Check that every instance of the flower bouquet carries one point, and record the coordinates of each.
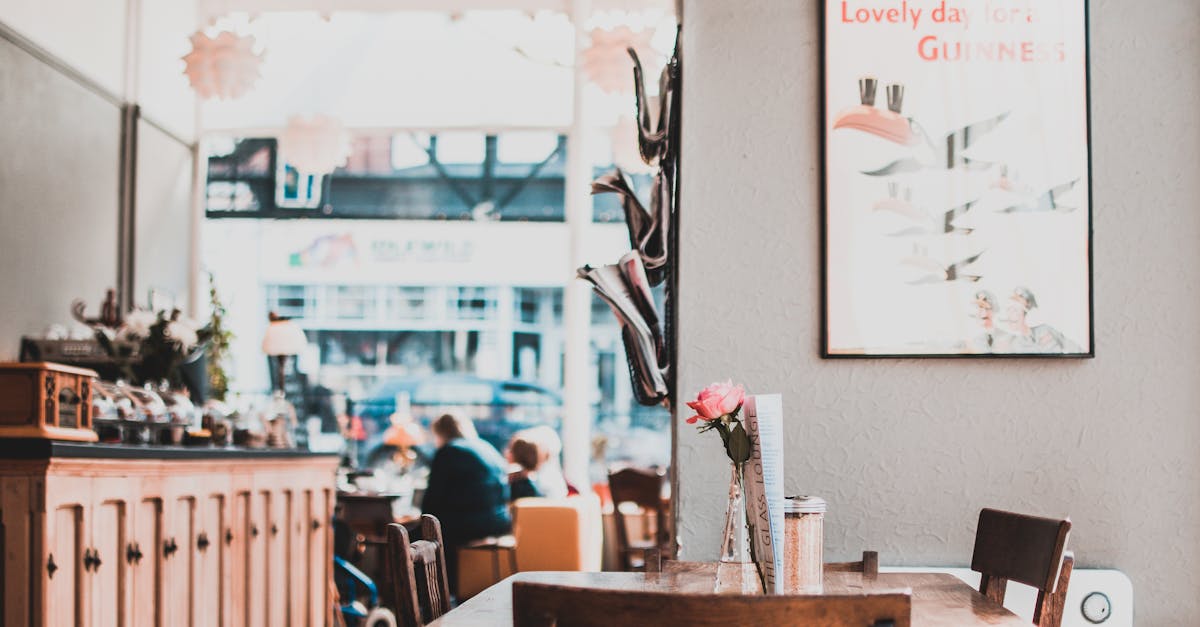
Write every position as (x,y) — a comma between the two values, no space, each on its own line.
(717,408)
(149,346)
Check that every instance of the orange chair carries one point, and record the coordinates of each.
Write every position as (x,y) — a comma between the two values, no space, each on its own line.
(548,534)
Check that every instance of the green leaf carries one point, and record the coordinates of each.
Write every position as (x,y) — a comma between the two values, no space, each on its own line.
(738,445)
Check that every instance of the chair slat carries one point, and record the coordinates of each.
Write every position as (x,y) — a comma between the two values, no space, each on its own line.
(417,571)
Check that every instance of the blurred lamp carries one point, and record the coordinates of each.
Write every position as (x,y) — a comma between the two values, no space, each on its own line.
(284,338)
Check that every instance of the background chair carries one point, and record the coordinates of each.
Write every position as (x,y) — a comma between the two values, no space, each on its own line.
(642,487)
(543,605)
(418,573)
(1028,550)
(548,534)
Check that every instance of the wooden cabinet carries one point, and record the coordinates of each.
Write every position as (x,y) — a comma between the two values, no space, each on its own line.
(96,541)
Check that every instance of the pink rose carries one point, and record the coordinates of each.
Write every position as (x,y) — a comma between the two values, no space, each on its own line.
(716,400)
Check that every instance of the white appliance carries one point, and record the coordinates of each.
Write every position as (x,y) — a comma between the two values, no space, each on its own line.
(1095,597)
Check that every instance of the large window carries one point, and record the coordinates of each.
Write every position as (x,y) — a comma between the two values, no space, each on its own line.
(513,176)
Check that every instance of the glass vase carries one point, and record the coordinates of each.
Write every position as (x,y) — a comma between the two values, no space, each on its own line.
(736,571)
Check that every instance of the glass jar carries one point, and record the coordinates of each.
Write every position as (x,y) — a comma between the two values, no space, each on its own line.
(803,544)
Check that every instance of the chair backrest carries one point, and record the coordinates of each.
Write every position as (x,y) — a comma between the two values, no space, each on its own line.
(417,571)
(1022,548)
(869,566)
(643,487)
(558,534)
(544,605)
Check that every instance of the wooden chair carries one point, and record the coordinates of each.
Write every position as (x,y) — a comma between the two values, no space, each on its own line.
(417,572)
(1028,550)
(545,605)
(868,566)
(642,487)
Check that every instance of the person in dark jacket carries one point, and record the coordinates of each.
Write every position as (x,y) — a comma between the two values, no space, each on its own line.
(467,490)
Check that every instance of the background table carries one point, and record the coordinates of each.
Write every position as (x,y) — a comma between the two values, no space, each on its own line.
(937,599)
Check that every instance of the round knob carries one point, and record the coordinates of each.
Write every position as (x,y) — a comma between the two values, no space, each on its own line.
(202,541)
(228,536)
(1096,607)
(170,547)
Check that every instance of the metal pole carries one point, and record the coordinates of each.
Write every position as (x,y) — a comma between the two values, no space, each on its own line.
(577,388)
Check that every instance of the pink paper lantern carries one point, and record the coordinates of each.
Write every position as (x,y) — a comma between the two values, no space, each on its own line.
(316,145)
(606,62)
(224,66)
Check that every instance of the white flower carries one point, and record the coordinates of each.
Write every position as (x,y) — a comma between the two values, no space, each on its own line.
(137,324)
(182,334)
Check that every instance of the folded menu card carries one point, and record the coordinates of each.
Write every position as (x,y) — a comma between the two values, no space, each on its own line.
(763,416)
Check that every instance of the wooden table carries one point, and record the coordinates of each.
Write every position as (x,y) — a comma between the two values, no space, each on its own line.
(939,600)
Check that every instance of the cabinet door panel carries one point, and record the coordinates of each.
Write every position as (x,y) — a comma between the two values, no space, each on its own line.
(319,557)
(297,555)
(208,550)
(278,505)
(107,579)
(146,603)
(64,565)
(238,550)
(256,531)
(178,552)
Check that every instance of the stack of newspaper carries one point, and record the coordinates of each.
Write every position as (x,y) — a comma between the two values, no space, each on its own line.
(625,285)
(626,289)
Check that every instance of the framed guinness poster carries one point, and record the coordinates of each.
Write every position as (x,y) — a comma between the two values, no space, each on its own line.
(957,196)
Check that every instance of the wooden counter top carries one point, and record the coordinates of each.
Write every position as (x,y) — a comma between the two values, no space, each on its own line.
(38,449)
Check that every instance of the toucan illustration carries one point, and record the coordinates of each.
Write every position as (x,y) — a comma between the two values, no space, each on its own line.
(887,124)
(945,154)
(1047,201)
(924,222)
(937,272)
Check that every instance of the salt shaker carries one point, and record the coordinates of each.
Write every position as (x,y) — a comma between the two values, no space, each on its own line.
(803,544)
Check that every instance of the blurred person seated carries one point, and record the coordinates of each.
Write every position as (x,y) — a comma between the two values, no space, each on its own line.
(527,456)
(549,478)
(467,489)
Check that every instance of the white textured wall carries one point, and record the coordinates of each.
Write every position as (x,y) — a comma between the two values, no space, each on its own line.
(908,451)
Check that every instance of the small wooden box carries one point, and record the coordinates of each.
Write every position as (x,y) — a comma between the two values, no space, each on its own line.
(45,400)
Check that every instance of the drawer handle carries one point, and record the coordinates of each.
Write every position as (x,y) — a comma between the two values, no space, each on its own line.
(96,560)
(133,553)
(202,541)
(90,559)
(316,524)
(169,547)
(228,536)
(51,566)
(274,530)
(254,530)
